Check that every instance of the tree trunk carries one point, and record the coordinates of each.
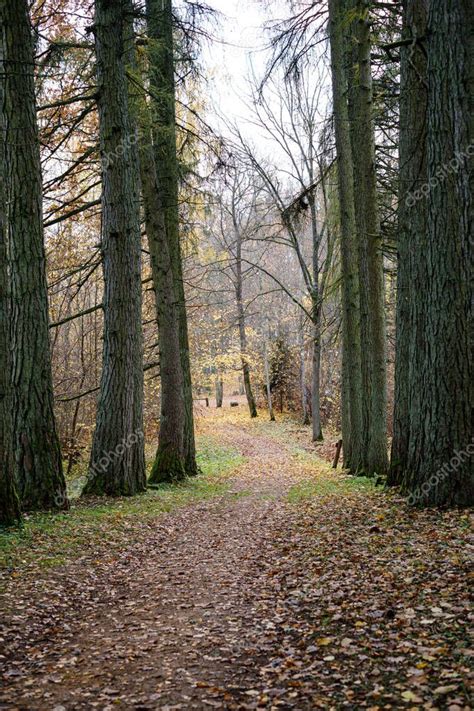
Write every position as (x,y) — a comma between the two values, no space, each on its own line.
(316,373)
(169,464)
(412,238)
(439,470)
(219,391)
(162,84)
(371,282)
(351,368)
(9,503)
(316,324)
(241,325)
(267,381)
(304,400)
(37,456)
(117,465)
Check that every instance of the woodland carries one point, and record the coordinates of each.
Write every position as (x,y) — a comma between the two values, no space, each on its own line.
(236,387)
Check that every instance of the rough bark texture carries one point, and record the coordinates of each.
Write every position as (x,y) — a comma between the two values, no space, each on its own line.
(169,463)
(162,83)
(351,367)
(37,456)
(117,465)
(439,470)
(9,503)
(412,239)
(371,282)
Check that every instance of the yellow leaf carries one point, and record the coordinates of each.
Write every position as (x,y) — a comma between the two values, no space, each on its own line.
(324,641)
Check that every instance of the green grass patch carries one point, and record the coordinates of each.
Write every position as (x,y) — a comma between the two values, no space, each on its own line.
(321,486)
(50,539)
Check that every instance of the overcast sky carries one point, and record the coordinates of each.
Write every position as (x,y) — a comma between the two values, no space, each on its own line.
(240,43)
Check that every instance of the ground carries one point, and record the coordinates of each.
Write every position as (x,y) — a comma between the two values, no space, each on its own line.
(270,582)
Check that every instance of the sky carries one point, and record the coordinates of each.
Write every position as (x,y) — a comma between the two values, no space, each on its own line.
(240,44)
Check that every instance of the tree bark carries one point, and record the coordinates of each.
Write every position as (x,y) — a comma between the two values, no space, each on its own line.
(9,503)
(439,470)
(163,100)
(371,282)
(169,464)
(412,239)
(351,368)
(316,371)
(317,431)
(117,465)
(36,450)
(170,460)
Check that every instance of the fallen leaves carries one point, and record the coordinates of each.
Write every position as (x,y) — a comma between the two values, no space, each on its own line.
(343,599)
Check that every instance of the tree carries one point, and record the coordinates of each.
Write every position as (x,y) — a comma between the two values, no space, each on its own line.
(370,260)
(9,503)
(117,464)
(439,468)
(238,222)
(36,449)
(163,107)
(282,374)
(170,461)
(411,236)
(291,117)
(351,347)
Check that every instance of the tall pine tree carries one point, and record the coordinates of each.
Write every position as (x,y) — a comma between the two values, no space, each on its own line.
(117,465)
(36,450)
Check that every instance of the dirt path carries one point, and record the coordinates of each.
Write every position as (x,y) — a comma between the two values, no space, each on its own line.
(170,624)
(342,600)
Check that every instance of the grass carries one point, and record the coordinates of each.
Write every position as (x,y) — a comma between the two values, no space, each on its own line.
(48,540)
(329,485)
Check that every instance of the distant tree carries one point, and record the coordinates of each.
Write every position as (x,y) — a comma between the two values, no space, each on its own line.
(282,374)
(117,464)
(237,222)
(37,456)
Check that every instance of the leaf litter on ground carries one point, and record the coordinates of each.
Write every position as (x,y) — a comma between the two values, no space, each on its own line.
(292,587)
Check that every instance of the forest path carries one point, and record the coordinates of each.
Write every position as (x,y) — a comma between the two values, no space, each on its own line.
(172,622)
(270,595)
